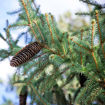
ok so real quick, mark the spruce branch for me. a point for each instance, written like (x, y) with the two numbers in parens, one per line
(93, 23)
(54, 28)
(29, 20)
(94, 58)
(54, 77)
(36, 63)
(83, 14)
(35, 6)
(8, 36)
(49, 27)
(2, 37)
(80, 45)
(57, 36)
(34, 32)
(91, 2)
(4, 54)
(45, 46)
(49, 78)
(14, 12)
(36, 92)
(97, 19)
(41, 69)
(25, 7)
(16, 25)
(27, 69)
(39, 29)
(80, 96)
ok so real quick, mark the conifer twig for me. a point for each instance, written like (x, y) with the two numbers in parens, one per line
(34, 4)
(37, 72)
(10, 26)
(95, 60)
(7, 33)
(29, 20)
(49, 27)
(36, 63)
(28, 17)
(34, 33)
(30, 67)
(53, 78)
(93, 3)
(44, 87)
(80, 45)
(3, 38)
(45, 46)
(52, 18)
(35, 91)
(97, 18)
(39, 30)
(93, 23)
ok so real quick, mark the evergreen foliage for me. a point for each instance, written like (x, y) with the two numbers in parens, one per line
(64, 58)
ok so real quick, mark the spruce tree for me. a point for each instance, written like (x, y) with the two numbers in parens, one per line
(48, 67)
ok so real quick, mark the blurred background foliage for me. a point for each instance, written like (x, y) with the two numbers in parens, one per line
(68, 23)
